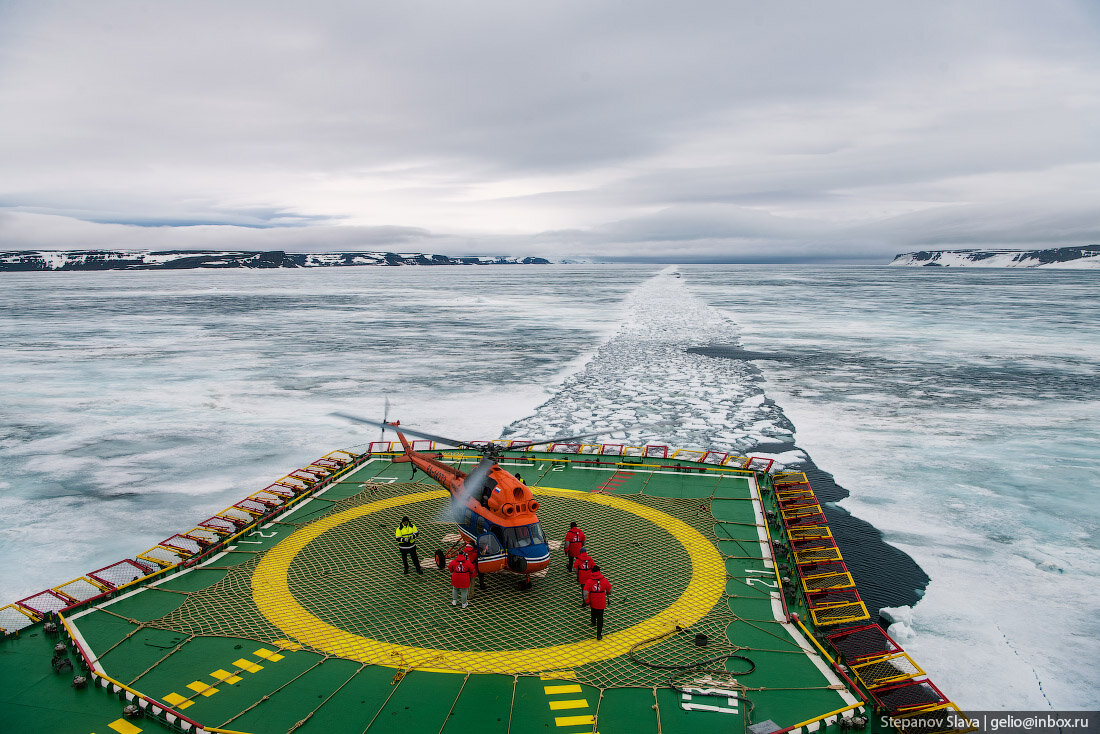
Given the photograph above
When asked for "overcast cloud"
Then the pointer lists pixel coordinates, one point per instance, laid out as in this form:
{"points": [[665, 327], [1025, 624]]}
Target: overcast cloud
{"points": [[739, 131]]}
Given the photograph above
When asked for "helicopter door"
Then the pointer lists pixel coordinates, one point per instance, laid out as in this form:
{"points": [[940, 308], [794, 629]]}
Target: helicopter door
{"points": [[488, 546]]}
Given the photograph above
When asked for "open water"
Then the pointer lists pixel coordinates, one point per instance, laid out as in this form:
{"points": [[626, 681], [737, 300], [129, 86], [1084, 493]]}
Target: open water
{"points": [[956, 409]]}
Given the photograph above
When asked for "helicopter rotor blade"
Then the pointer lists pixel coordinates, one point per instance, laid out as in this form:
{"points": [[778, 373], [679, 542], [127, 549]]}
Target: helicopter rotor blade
{"points": [[522, 444], [488, 448], [560, 439], [410, 431]]}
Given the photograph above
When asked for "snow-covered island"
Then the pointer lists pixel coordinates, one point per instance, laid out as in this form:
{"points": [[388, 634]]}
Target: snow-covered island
{"points": [[186, 259], [1059, 257]]}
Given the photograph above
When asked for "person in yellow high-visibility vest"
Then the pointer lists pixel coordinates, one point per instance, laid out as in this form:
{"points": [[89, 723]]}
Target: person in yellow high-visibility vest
{"points": [[406, 543]]}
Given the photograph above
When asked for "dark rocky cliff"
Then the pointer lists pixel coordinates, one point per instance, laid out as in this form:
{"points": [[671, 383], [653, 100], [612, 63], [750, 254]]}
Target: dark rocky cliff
{"points": [[28, 260], [1079, 256]]}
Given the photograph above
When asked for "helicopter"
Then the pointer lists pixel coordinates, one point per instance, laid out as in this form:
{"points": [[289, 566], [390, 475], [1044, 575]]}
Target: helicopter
{"points": [[495, 511]]}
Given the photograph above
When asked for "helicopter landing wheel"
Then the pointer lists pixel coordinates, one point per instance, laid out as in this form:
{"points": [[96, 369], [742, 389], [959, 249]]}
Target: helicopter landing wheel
{"points": [[440, 560], [525, 585]]}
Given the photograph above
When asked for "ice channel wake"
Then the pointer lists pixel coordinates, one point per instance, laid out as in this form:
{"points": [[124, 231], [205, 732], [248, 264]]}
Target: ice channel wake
{"points": [[644, 378]]}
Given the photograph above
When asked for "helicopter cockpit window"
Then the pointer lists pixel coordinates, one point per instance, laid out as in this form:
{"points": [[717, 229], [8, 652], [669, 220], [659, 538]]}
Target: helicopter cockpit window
{"points": [[488, 545], [524, 535], [487, 489], [480, 525], [517, 537], [536, 533]]}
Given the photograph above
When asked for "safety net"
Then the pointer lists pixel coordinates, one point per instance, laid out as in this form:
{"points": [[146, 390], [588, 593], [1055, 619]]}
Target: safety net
{"points": [[342, 594]]}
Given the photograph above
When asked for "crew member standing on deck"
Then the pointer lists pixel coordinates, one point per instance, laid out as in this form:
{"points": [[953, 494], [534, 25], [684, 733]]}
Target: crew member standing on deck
{"points": [[460, 579], [574, 541], [406, 543], [584, 566], [471, 554], [597, 589]]}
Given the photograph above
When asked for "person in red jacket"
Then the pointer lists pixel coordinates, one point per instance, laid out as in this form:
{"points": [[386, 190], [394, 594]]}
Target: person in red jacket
{"points": [[584, 566], [471, 554], [574, 541], [461, 573], [597, 588]]}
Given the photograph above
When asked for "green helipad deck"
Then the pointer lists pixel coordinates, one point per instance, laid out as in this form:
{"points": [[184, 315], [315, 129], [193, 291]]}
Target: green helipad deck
{"points": [[299, 618]]}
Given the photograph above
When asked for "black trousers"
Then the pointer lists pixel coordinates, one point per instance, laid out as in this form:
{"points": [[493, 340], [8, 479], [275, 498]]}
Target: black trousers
{"points": [[405, 552], [597, 619]]}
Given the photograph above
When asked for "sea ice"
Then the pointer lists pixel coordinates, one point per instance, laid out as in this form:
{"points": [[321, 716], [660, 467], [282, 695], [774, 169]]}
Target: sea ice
{"points": [[685, 400], [960, 410]]}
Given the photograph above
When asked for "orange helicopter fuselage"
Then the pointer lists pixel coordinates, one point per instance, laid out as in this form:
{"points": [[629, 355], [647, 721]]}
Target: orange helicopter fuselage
{"points": [[504, 508]]}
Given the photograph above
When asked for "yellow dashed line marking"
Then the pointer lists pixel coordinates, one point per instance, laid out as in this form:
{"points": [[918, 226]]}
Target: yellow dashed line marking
{"points": [[578, 703], [248, 665], [225, 677], [177, 701], [204, 688], [553, 690], [269, 655], [567, 704], [122, 726], [588, 719]]}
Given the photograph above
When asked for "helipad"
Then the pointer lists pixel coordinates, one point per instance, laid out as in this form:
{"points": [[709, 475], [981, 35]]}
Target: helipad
{"points": [[308, 624]]}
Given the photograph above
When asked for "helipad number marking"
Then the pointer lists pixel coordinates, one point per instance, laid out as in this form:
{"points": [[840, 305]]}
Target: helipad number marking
{"points": [[260, 533], [711, 694], [750, 579], [274, 599]]}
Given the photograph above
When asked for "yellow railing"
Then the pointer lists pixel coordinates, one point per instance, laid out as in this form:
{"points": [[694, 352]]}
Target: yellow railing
{"points": [[229, 538], [715, 468], [813, 639], [822, 717]]}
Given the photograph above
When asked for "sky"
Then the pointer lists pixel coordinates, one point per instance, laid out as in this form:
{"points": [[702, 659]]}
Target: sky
{"points": [[725, 131]]}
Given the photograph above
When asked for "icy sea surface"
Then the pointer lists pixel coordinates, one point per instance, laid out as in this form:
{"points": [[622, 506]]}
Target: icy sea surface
{"points": [[958, 408], [133, 405], [961, 410]]}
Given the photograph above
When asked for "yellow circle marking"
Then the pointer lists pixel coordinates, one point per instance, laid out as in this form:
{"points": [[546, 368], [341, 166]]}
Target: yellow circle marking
{"points": [[273, 597]]}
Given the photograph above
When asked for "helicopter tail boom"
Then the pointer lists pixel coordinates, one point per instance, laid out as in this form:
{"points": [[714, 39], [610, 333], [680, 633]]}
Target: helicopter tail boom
{"points": [[445, 474]]}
